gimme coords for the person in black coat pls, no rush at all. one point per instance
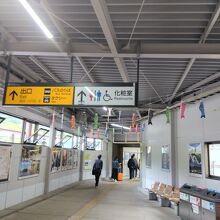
(97, 169)
(131, 166)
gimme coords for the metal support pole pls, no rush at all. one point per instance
(7, 76)
(71, 69)
(8, 71)
(138, 76)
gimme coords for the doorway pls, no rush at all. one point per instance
(124, 152)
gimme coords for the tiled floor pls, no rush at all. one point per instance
(113, 201)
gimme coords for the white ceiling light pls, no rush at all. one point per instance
(105, 108)
(120, 126)
(36, 18)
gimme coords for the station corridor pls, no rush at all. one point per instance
(120, 200)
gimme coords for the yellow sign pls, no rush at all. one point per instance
(39, 95)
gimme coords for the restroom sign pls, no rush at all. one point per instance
(105, 94)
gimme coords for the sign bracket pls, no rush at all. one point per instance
(7, 75)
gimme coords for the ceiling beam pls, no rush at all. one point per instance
(203, 82)
(44, 68)
(27, 70)
(211, 23)
(17, 61)
(81, 62)
(189, 65)
(67, 39)
(175, 51)
(57, 24)
(6, 34)
(203, 38)
(103, 16)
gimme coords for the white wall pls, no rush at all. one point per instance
(106, 157)
(193, 129)
(156, 136)
(15, 190)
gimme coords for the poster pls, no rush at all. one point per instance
(184, 196)
(75, 158)
(195, 209)
(87, 161)
(56, 159)
(208, 205)
(70, 159)
(30, 160)
(195, 162)
(5, 157)
(148, 156)
(64, 159)
(165, 156)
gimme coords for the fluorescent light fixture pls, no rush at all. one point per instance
(36, 18)
(105, 108)
(120, 126)
(89, 90)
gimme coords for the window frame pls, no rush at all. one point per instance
(208, 175)
(22, 128)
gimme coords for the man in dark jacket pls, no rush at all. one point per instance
(97, 169)
(131, 166)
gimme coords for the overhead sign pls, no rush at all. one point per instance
(66, 94)
(105, 94)
(39, 95)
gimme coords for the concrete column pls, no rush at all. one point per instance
(51, 144)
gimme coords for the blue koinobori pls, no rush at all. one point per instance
(202, 110)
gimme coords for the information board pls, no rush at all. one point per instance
(69, 94)
(105, 95)
(39, 95)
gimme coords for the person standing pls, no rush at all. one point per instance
(115, 167)
(97, 169)
(136, 167)
(131, 166)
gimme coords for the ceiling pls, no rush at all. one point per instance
(177, 43)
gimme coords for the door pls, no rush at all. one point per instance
(127, 152)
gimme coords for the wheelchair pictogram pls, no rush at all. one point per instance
(107, 97)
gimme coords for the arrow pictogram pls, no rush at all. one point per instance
(81, 94)
(13, 94)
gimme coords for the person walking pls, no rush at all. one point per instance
(115, 167)
(131, 166)
(97, 169)
(136, 167)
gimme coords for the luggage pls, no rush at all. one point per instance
(120, 176)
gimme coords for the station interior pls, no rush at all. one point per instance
(124, 91)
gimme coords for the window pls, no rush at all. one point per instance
(75, 142)
(90, 144)
(67, 140)
(98, 144)
(29, 131)
(45, 137)
(214, 159)
(93, 144)
(58, 137)
(10, 128)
